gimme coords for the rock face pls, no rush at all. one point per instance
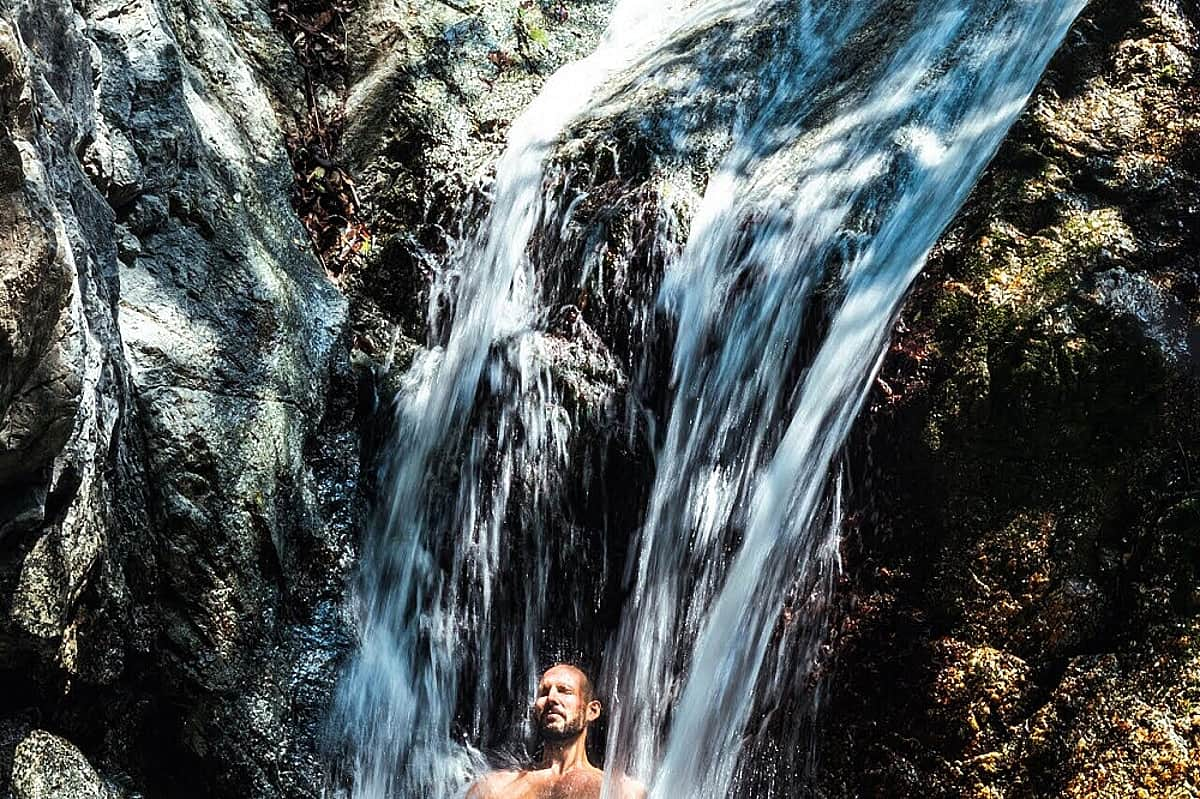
(431, 93)
(179, 479)
(1022, 618)
(177, 494)
(1019, 612)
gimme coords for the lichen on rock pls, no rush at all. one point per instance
(48, 767)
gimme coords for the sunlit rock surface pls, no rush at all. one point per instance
(47, 767)
(432, 88)
(1020, 617)
(175, 511)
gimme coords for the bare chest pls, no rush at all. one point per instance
(535, 785)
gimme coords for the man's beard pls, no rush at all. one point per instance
(570, 729)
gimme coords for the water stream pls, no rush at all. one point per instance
(853, 141)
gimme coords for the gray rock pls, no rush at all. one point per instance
(167, 343)
(432, 89)
(60, 394)
(48, 767)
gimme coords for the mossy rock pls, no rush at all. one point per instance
(1020, 617)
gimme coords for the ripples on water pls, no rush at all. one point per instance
(851, 141)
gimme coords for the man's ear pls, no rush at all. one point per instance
(593, 710)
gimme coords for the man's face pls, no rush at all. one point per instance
(563, 709)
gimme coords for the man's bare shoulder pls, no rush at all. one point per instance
(492, 786)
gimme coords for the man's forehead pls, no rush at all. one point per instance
(565, 670)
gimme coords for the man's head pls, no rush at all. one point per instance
(565, 704)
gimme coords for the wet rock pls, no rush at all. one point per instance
(431, 91)
(1161, 316)
(588, 374)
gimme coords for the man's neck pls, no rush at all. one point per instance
(563, 756)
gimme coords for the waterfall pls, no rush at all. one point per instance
(853, 142)
(441, 541)
(818, 196)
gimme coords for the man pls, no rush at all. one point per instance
(564, 708)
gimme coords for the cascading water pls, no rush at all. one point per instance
(855, 140)
(841, 196)
(423, 619)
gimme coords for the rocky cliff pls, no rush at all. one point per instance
(1018, 614)
(176, 487)
(181, 467)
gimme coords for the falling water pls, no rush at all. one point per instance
(827, 204)
(431, 570)
(856, 138)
